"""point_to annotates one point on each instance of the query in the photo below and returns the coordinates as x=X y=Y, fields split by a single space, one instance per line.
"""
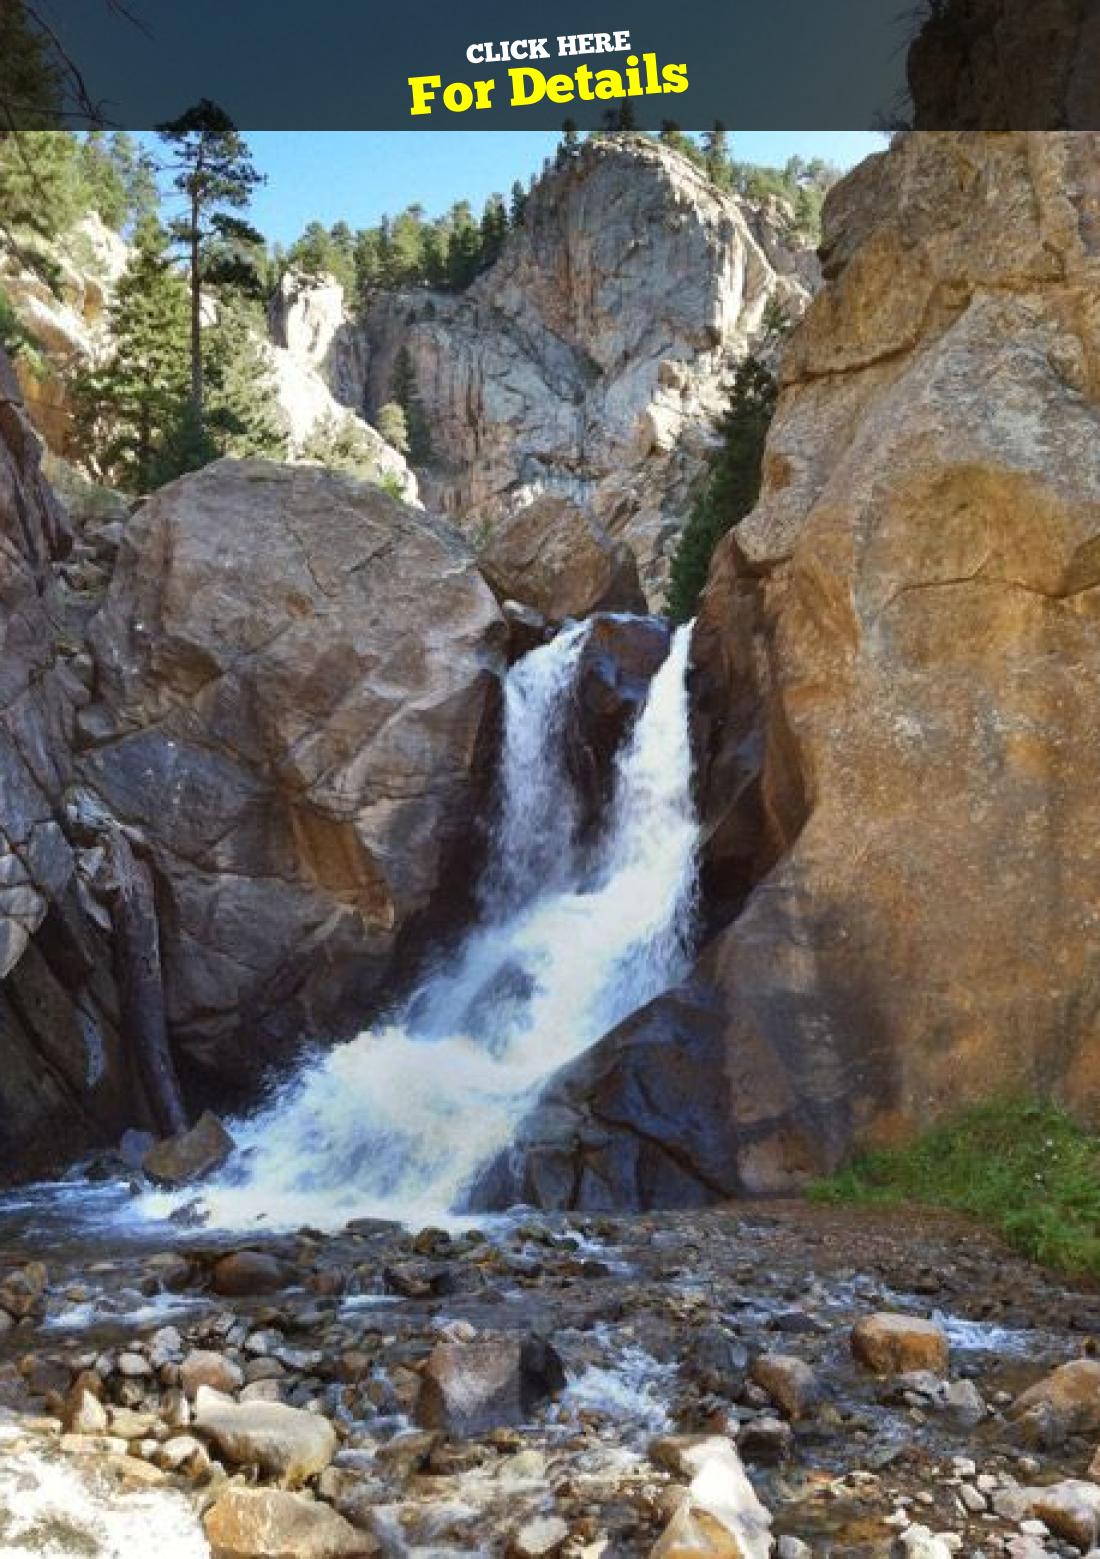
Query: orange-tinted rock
x=895 y=1344
x=555 y=558
x=272 y=1524
x=1063 y=1403
x=902 y=649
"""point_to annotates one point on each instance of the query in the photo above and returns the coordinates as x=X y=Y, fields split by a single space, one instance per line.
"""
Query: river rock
x=272 y=1524
x=894 y=1344
x=1071 y=1509
x=555 y=558
x=468 y=1389
x=22 y=1292
x=722 y=1516
x=247 y=1272
x=790 y=1382
x=1063 y=1403
x=191 y=1155
x=84 y=1414
x=283 y=1442
x=204 y=1368
x=718 y=1361
x=539 y=1538
x=301 y=741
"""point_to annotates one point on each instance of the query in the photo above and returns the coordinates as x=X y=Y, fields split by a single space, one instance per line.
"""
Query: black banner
x=825 y=64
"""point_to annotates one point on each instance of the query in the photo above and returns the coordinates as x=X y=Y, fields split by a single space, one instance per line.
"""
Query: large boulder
x=901 y=646
x=298 y=687
x=284 y=1442
x=469 y=1389
x=271 y=1524
x=64 y=1080
x=554 y=557
x=634 y=1122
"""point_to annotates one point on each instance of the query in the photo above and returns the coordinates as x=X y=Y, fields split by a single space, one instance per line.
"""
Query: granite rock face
x=318 y=361
x=591 y=360
x=901 y=652
x=64 y=1082
x=297 y=689
x=68 y=319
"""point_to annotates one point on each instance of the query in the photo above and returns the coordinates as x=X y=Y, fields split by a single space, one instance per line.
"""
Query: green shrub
x=1023 y=1167
x=730 y=487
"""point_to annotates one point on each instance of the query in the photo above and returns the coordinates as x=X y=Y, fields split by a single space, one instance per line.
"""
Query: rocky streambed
x=723 y=1382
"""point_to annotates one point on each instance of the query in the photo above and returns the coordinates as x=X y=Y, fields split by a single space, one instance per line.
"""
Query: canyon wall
x=592 y=359
x=65 y=1081
x=897 y=707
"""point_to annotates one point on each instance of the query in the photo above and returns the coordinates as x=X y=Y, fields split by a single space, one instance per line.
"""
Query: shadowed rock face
x=1006 y=64
x=64 y=1084
x=621 y=656
x=298 y=684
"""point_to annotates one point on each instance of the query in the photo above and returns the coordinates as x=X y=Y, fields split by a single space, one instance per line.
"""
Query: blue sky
x=356 y=176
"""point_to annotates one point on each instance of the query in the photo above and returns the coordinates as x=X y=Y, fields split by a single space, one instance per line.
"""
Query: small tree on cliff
x=243 y=413
x=404 y=391
x=213 y=170
x=128 y=406
x=730 y=488
x=393 y=427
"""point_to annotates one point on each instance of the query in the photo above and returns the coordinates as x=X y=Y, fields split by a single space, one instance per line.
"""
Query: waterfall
x=397 y=1121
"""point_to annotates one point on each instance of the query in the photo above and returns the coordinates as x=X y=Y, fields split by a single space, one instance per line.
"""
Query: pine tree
x=32 y=77
x=393 y=427
x=343 y=444
x=403 y=390
x=493 y=231
x=463 y=247
x=118 y=179
x=716 y=156
x=519 y=205
x=127 y=408
x=242 y=414
x=731 y=487
x=39 y=185
x=213 y=170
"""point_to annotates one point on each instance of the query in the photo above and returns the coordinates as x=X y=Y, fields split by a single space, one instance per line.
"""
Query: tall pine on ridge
x=213 y=170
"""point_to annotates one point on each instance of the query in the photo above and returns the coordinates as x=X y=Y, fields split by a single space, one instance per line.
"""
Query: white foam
x=396 y=1122
x=54 y=1509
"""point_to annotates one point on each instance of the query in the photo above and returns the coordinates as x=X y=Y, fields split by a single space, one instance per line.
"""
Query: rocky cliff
x=65 y=1077
x=1003 y=64
x=591 y=360
x=897 y=685
x=66 y=316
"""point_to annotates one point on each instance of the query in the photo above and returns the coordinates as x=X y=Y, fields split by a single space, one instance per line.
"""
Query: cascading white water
x=395 y=1122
